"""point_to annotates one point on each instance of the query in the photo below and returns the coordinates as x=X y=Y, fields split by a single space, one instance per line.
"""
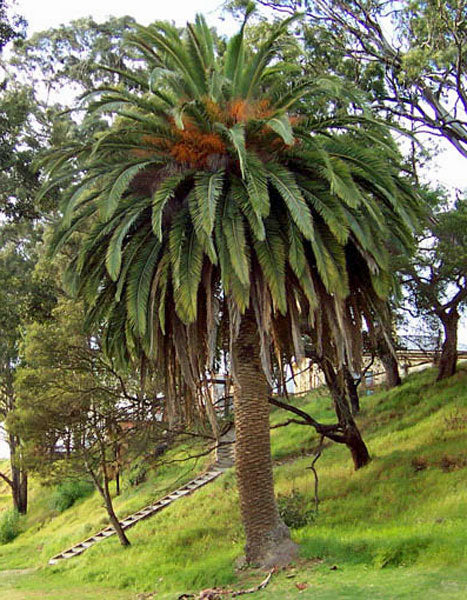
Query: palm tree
x=220 y=192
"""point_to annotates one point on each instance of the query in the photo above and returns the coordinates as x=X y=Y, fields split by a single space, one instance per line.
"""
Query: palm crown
x=215 y=188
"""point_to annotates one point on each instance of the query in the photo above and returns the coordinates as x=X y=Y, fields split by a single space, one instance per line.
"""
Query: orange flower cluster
x=240 y=110
x=237 y=111
x=195 y=146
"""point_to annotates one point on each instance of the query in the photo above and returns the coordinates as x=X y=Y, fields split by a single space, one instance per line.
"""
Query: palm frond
x=284 y=182
x=164 y=193
x=271 y=256
x=139 y=285
x=120 y=185
x=208 y=189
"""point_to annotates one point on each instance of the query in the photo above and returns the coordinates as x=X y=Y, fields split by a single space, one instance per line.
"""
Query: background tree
x=12 y=26
x=21 y=139
x=411 y=53
x=67 y=55
x=22 y=297
x=436 y=279
x=76 y=414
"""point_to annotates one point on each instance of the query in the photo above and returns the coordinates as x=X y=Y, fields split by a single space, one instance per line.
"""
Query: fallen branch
x=257 y=588
x=217 y=593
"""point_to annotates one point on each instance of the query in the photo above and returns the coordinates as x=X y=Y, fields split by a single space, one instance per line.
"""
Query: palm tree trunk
x=268 y=540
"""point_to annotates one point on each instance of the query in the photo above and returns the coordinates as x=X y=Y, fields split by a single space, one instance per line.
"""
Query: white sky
x=43 y=14
x=449 y=169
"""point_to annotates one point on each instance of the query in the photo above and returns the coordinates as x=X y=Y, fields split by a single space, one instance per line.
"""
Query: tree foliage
x=76 y=414
x=436 y=278
x=12 y=26
x=410 y=55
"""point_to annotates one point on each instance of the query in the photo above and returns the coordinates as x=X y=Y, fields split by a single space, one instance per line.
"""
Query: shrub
x=9 y=526
x=296 y=510
x=138 y=474
x=68 y=492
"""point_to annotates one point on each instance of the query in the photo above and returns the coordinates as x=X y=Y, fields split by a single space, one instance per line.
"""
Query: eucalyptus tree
x=65 y=56
x=22 y=297
x=410 y=54
x=11 y=25
x=436 y=278
x=214 y=196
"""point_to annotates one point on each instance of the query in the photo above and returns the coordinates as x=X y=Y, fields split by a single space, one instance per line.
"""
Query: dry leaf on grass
x=301 y=586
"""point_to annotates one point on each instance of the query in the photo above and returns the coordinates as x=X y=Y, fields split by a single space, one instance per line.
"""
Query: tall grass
x=9 y=526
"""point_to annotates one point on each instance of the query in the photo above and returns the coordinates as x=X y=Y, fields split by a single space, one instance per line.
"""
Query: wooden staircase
x=224 y=460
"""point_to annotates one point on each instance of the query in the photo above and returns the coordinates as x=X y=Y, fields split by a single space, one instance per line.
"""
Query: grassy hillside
x=392 y=530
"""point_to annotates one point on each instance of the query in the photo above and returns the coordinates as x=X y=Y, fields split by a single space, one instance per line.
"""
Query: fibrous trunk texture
x=448 y=359
x=268 y=540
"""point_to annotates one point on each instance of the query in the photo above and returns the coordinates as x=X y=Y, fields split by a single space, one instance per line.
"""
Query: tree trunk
x=268 y=540
x=104 y=491
x=118 y=454
x=448 y=359
x=391 y=368
x=23 y=493
x=209 y=405
x=124 y=541
x=357 y=447
x=19 y=479
x=386 y=355
x=352 y=391
x=350 y=431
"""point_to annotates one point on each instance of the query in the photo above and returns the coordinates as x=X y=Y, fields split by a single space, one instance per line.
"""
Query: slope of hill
x=392 y=530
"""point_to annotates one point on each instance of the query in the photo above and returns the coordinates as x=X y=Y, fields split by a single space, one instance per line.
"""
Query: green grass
x=394 y=529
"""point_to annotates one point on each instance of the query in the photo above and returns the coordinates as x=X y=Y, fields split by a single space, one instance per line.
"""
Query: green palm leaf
x=119 y=187
x=271 y=256
x=164 y=193
x=189 y=277
x=234 y=232
x=284 y=182
x=139 y=285
x=241 y=197
x=208 y=189
x=114 y=249
x=257 y=185
x=281 y=125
